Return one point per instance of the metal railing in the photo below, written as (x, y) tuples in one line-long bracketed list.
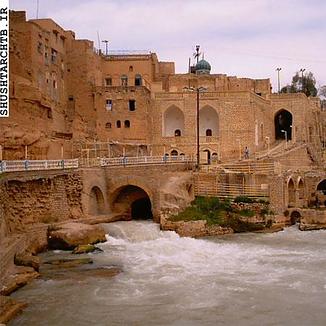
[(218, 189), (36, 165), (143, 160)]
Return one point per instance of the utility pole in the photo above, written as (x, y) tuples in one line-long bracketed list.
[(278, 79), (106, 46)]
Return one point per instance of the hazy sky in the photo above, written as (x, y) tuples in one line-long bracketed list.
[(244, 38)]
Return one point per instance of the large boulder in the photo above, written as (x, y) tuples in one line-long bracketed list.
[(9, 308), (25, 259), (70, 235)]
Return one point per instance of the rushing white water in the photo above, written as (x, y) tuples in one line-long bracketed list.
[(247, 279)]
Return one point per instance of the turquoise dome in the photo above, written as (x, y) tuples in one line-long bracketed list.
[(203, 67)]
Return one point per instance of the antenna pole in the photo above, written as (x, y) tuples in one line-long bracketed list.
[(37, 8), (189, 69), (106, 46), (98, 40), (197, 52)]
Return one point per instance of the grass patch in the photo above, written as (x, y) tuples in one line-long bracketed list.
[(217, 212)]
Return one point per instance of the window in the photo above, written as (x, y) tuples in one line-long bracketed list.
[(177, 133), (46, 54), (108, 81), (40, 47), (54, 54), (208, 132), (108, 125), (70, 98), (138, 80), (174, 153), (108, 104), (118, 124), (127, 124), (124, 80), (132, 105), (131, 68)]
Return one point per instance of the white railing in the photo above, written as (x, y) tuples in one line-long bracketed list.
[(36, 165), (143, 160), (230, 190)]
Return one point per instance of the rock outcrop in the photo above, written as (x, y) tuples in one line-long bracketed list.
[(84, 249), (19, 278), (9, 308), (69, 235), (29, 260), (195, 228)]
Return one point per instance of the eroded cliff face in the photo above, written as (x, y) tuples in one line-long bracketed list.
[(176, 193)]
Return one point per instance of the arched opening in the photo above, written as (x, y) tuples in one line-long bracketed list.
[(118, 124), (322, 187), (209, 132), (173, 120), (283, 125), (127, 124), (291, 192), (174, 152), (295, 217), (138, 80), (208, 121), (301, 189), (132, 201), (108, 125), (96, 202), (208, 156), (141, 209), (177, 133)]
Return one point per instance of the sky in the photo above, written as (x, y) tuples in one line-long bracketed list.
[(244, 38)]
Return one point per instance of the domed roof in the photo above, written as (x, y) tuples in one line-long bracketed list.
[(203, 67)]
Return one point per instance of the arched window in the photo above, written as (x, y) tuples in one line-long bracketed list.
[(131, 68), (208, 120), (108, 125), (174, 153), (127, 124), (173, 119), (301, 189), (291, 192), (208, 132), (124, 80), (177, 133), (283, 125), (322, 187), (138, 80), (118, 124)]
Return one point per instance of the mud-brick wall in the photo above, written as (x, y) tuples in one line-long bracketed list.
[(42, 200), (3, 201)]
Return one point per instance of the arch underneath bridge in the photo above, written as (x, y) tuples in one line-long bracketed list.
[(96, 204), (133, 201)]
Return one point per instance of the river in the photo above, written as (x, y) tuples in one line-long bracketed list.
[(240, 279)]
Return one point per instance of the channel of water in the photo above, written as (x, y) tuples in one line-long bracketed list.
[(240, 279)]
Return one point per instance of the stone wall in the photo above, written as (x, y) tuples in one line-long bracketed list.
[(34, 200)]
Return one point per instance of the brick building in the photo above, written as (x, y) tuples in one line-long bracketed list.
[(69, 100)]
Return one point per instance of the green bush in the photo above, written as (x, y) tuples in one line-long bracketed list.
[(247, 213), (239, 226), (243, 199), (264, 211)]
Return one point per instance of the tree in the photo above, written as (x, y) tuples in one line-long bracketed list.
[(306, 85)]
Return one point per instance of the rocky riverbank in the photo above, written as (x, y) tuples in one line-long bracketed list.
[(20, 263)]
